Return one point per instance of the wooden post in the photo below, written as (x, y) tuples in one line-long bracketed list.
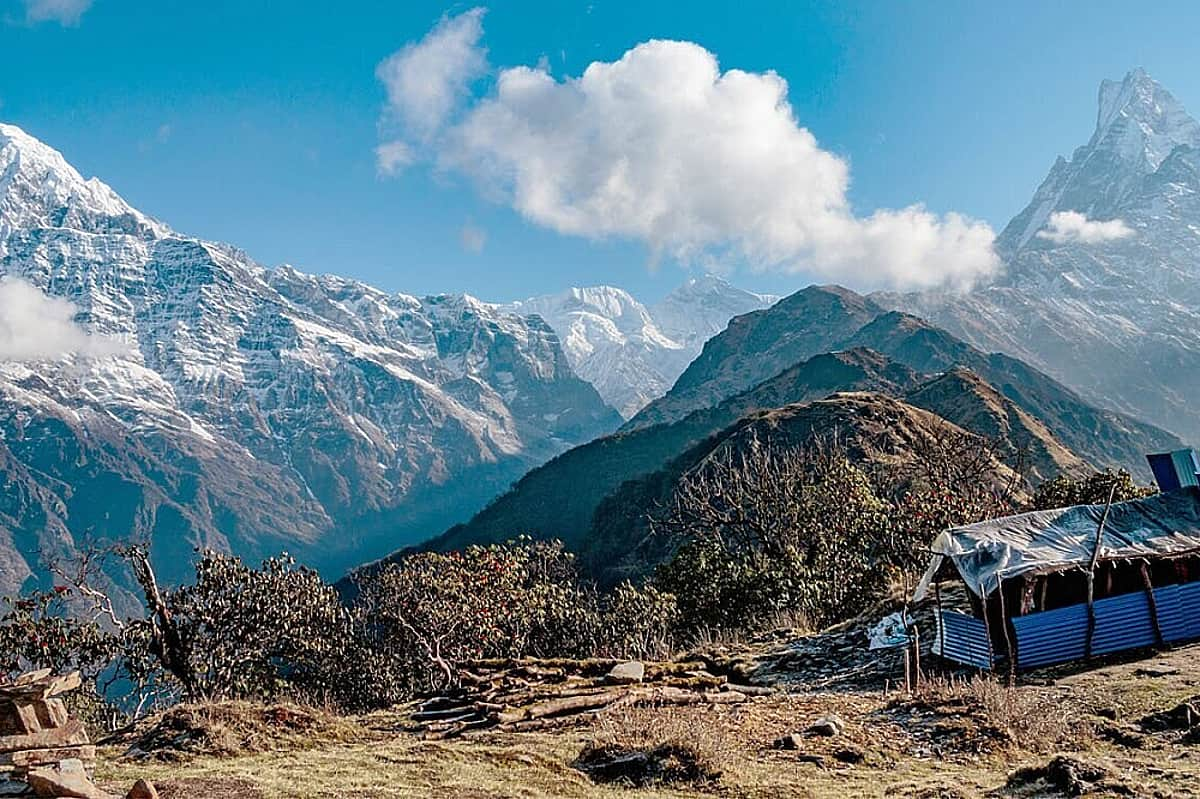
[(916, 645), (987, 631), (1150, 599), (1008, 644), (939, 630), (1091, 575)]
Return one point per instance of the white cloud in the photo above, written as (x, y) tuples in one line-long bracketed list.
[(392, 157), (701, 165), (37, 327), (427, 81), (473, 238), (64, 12), (1066, 227)]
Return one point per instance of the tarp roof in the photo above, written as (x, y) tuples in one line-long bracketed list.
[(1054, 540)]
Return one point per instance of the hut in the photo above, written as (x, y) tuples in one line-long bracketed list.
[(1055, 586)]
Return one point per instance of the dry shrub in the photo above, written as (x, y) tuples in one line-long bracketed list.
[(643, 745), (231, 728), (1032, 718)]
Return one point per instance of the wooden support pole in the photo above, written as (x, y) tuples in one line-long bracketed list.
[(1008, 643), (987, 631), (1091, 574), (1153, 602)]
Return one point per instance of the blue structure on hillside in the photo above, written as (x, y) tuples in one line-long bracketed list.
[(1055, 586)]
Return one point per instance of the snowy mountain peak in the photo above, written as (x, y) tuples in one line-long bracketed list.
[(39, 188), (1138, 125), (363, 420), (1109, 303), (633, 353), (1141, 121)]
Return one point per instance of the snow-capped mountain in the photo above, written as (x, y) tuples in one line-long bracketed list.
[(632, 353), (1109, 303), (252, 409)]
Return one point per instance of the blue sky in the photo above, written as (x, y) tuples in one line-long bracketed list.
[(257, 123)]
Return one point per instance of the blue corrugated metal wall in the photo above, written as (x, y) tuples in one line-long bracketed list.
[(963, 638), (1060, 635), (1122, 622)]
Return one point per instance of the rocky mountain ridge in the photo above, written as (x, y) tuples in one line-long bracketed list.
[(251, 409), (1110, 306)]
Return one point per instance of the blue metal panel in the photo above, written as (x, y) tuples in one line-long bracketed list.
[(1172, 615), (964, 639), (1174, 470), (1123, 622), (1189, 605), (1053, 636)]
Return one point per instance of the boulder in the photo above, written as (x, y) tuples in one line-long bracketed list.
[(633, 671), (142, 789), (828, 726), (791, 742), (67, 778)]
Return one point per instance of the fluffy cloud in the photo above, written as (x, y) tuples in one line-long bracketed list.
[(427, 81), (1066, 227), (703, 166), (37, 327), (64, 12)]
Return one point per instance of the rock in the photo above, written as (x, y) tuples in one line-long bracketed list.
[(1183, 716), (142, 789), (1155, 671), (67, 778), (849, 754), (664, 765), (633, 671), (792, 741), (828, 726), (1066, 775), (1073, 776)]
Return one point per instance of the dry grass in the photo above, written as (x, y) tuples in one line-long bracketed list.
[(913, 746), (663, 745), (232, 728), (1030, 717)]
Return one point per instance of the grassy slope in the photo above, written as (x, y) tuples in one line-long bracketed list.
[(907, 751)]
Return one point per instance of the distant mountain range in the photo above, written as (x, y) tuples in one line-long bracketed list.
[(816, 342), (1110, 307), (633, 353), (252, 410)]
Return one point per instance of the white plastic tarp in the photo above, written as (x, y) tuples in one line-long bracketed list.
[(1048, 540)]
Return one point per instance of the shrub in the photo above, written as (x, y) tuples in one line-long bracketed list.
[(1026, 715), (638, 623), (40, 631), (770, 531), (1064, 491), (775, 531), (258, 632), (435, 610)]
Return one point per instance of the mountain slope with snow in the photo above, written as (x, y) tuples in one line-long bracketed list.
[(632, 353), (1111, 305), (252, 409)]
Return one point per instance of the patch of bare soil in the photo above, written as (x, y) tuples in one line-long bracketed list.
[(208, 788)]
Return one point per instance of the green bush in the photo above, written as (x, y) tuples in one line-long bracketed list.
[(1064, 491), (433, 611), (772, 531)]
